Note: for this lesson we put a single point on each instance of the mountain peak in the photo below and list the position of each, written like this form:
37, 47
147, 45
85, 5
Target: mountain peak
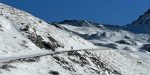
79, 23
143, 19
148, 11
141, 25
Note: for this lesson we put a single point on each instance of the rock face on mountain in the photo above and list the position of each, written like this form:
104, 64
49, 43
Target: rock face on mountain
141, 25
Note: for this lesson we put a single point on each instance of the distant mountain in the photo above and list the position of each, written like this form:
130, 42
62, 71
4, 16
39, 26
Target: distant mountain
85, 23
141, 25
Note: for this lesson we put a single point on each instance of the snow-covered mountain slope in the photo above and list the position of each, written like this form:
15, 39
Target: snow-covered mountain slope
129, 44
26, 43
103, 35
141, 25
22, 33
98, 62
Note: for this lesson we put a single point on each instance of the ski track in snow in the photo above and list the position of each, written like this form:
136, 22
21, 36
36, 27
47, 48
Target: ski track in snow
7, 59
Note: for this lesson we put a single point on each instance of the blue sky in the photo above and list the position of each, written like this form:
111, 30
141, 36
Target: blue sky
118, 12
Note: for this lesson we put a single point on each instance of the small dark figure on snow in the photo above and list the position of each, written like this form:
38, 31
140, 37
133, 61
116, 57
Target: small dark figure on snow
71, 48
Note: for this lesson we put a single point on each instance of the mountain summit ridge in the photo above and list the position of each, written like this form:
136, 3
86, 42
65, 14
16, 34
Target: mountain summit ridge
141, 25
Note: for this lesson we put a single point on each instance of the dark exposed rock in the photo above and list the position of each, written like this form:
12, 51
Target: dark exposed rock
56, 25
127, 37
146, 47
25, 28
54, 43
60, 60
6, 67
111, 45
1, 28
57, 58
82, 60
70, 68
38, 40
54, 72
40, 21
29, 60
104, 34
64, 63
123, 42
95, 70
80, 23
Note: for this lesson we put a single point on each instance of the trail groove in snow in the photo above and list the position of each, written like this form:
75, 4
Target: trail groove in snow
7, 59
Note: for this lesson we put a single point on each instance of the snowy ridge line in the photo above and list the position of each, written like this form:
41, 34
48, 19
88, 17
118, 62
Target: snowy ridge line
9, 59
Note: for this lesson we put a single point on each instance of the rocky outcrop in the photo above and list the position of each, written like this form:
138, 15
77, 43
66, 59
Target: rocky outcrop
146, 47
38, 40
141, 25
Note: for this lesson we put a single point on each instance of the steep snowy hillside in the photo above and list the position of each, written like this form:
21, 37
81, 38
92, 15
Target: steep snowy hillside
22, 33
141, 25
